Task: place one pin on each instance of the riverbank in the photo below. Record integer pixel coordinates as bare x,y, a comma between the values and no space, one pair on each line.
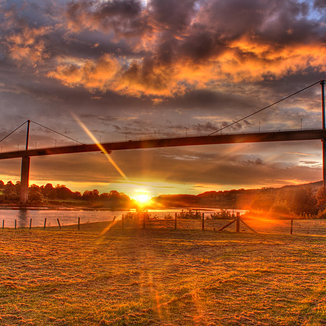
155,277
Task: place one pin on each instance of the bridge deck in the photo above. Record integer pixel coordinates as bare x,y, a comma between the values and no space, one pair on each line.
172,142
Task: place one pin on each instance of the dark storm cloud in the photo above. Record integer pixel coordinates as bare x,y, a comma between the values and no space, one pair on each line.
122,17
86,45
104,10
293,82
320,4
270,21
209,99
173,15
207,127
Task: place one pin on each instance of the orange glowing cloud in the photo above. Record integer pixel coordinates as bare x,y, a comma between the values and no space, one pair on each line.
28,45
88,73
107,73
137,78
261,60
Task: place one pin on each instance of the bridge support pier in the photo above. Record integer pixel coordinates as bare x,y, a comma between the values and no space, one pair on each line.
324,162
322,83
24,181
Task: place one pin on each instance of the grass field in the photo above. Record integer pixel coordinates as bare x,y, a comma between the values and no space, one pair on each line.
160,277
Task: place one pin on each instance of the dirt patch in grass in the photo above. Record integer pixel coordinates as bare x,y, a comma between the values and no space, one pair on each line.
160,277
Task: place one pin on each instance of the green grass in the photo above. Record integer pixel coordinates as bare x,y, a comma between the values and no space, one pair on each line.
160,277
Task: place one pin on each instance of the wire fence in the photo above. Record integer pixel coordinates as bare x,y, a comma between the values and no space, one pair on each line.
233,223
183,221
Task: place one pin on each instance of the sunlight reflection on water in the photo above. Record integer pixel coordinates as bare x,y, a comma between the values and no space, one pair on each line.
68,217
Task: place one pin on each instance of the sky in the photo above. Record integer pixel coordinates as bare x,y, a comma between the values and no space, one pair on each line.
130,70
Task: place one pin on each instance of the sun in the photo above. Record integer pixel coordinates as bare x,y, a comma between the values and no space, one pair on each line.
142,197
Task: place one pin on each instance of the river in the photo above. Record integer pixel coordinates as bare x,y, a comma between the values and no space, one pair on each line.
66,217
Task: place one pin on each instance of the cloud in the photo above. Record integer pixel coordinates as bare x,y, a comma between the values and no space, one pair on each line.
124,18
195,45
320,4
309,162
168,47
27,45
87,73
176,20
147,77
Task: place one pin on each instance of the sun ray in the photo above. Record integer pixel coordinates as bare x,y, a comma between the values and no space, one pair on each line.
100,146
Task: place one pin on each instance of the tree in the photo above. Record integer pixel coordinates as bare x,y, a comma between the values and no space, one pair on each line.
35,195
91,195
303,201
62,192
10,192
48,191
321,198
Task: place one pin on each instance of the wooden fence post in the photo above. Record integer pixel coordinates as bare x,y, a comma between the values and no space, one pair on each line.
3,224
59,223
175,220
144,224
78,224
291,230
237,223
30,223
44,226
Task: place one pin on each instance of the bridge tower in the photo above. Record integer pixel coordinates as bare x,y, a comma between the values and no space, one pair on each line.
24,181
322,83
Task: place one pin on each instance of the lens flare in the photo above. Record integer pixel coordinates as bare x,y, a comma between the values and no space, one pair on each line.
100,146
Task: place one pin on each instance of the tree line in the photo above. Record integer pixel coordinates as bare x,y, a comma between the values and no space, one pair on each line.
60,194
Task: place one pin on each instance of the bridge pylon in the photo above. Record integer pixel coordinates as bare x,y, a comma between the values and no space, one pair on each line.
24,181
322,83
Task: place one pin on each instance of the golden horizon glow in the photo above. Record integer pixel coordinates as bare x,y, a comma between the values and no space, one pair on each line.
157,188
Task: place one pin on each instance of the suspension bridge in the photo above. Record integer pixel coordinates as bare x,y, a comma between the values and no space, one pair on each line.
212,138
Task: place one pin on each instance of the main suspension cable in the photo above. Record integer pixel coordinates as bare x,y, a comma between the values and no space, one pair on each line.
264,108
